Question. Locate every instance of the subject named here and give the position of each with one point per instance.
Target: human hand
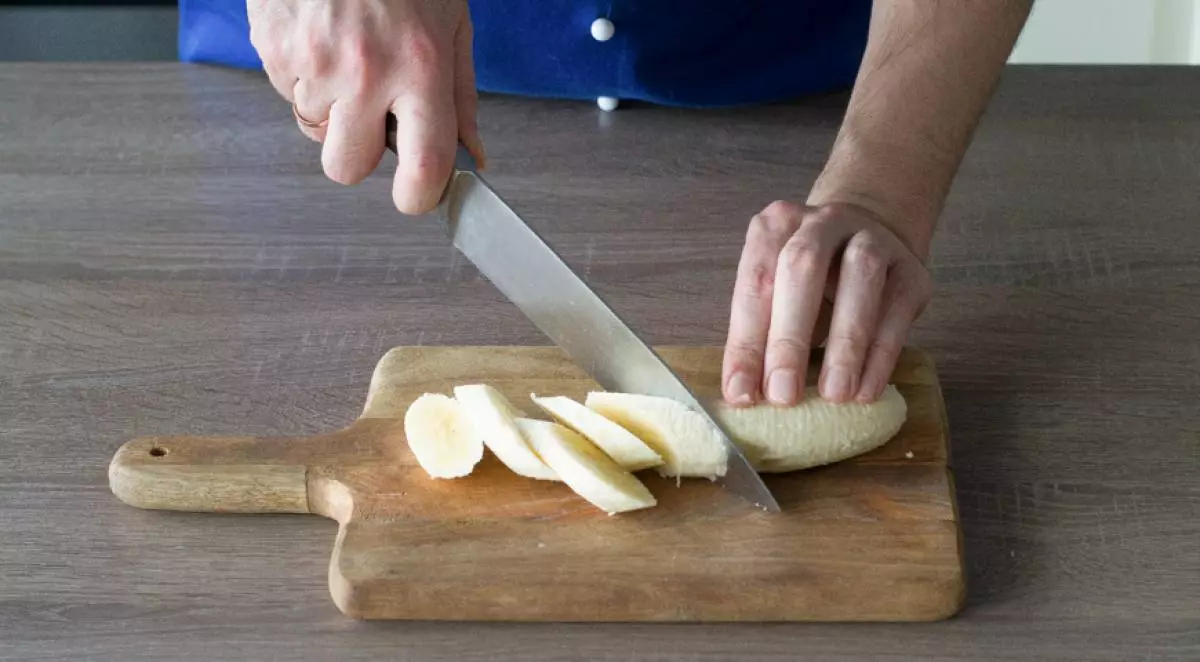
(808, 274)
(344, 65)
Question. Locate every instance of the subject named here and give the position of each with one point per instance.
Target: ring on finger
(303, 121)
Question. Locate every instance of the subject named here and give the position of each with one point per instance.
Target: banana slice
(687, 443)
(585, 468)
(492, 415)
(814, 431)
(620, 444)
(440, 437)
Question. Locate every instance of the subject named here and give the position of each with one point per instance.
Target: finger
(311, 105)
(268, 38)
(283, 82)
(750, 312)
(824, 316)
(315, 132)
(354, 141)
(862, 277)
(426, 135)
(466, 95)
(821, 328)
(796, 302)
(904, 298)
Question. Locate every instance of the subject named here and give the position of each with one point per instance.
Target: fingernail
(837, 384)
(741, 389)
(781, 386)
(867, 392)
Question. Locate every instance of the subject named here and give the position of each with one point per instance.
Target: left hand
(808, 274)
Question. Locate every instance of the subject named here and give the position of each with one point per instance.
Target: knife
(532, 275)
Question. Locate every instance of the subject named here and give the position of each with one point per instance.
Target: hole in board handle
(158, 452)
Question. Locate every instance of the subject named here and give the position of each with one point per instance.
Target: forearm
(929, 68)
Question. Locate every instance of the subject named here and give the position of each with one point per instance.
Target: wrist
(905, 188)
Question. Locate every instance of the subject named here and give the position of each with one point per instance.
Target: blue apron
(690, 53)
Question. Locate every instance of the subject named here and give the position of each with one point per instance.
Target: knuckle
(318, 58)
(775, 219)
(846, 351)
(421, 50)
(358, 49)
(802, 253)
(852, 339)
(782, 209)
(744, 355)
(865, 255)
(831, 210)
(760, 226)
(426, 170)
(360, 63)
(758, 282)
(820, 221)
(885, 348)
(788, 348)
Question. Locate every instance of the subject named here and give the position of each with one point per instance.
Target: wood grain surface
(172, 258)
(873, 538)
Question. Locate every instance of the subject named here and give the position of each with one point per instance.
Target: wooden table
(173, 261)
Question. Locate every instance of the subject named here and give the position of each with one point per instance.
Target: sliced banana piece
(492, 415)
(585, 468)
(618, 443)
(812, 432)
(442, 440)
(686, 441)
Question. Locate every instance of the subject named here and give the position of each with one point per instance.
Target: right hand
(345, 64)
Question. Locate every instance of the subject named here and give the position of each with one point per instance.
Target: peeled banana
(812, 432)
(595, 446)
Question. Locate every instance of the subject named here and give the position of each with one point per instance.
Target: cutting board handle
(211, 474)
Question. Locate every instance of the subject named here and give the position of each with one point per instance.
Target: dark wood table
(173, 261)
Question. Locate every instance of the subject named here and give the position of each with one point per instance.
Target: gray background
(88, 33)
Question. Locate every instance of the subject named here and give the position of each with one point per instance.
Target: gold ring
(307, 123)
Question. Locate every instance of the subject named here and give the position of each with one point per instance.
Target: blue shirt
(691, 53)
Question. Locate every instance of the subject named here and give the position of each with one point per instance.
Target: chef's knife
(532, 275)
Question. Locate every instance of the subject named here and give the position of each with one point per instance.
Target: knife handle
(390, 132)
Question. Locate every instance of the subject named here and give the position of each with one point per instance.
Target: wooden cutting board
(873, 538)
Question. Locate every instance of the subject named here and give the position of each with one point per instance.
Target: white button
(607, 104)
(602, 29)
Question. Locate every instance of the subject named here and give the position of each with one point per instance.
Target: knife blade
(531, 274)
